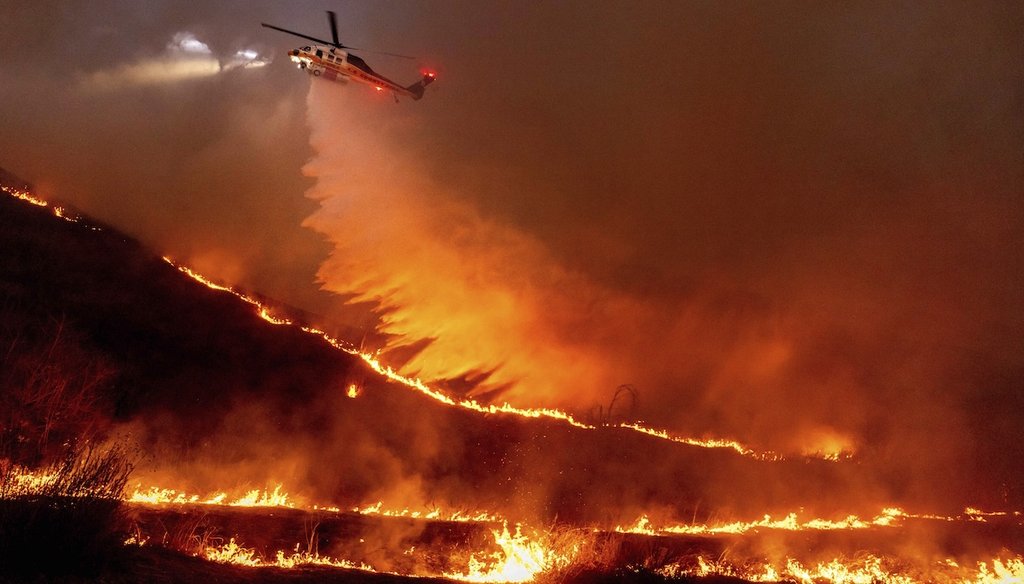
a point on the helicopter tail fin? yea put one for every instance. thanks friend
(417, 88)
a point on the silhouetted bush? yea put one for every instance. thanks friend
(52, 389)
(65, 518)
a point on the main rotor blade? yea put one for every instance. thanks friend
(334, 27)
(299, 34)
(380, 53)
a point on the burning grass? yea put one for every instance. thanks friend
(73, 506)
(70, 502)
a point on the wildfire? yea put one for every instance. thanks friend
(869, 569)
(352, 391)
(234, 553)
(517, 559)
(251, 498)
(24, 196)
(266, 314)
(469, 404)
(520, 559)
(706, 443)
(277, 497)
(889, 517)
(433, 514)
(59, 212)
(18, 480)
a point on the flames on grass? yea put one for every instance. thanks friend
(868, 569)
(277, 497)
(267, 314)
(520, 553)
(517, 558)
(373, 360)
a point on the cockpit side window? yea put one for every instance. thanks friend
(319, 53)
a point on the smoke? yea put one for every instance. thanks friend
(803, 243)
(797, 225)
(492, 301)
(185, 57)
(496, 307)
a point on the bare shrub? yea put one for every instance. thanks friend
(51, 387)
(622, 407)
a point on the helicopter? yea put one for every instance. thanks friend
(330, 60)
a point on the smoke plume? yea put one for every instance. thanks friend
(816, 260)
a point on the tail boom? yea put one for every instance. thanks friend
(416, 89)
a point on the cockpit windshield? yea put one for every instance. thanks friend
(306, 49)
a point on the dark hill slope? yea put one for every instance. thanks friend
(217, 397)
(176, 346)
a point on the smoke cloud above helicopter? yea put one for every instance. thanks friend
(794, 225)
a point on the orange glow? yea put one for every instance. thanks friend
(869, 569)
(234, 553)
(24, 196)
(352, 391)
(433, 514)
(59, 212)
(889, 517)
(466, 403)
(520, 559)
(251, 498)
(277, 497)
(525, 554)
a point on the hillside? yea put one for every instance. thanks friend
(103, 339)
(211, 390)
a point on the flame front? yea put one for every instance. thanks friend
(267, 314)
(889, 517)
(251, 498)
(518, 557)
(869, 569)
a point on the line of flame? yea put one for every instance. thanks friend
(432, 515)
(889, 517)
(519, 558)
(414, 383)
(468, 404)
(56, 211)
(522, 559)
(869, 569)
(277, 497)
(234, 553)
(251, 498)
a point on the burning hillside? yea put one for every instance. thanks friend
(265, 441)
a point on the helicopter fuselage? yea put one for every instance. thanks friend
(330, 60)
(338, 65)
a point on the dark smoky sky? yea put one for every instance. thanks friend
(819, 206)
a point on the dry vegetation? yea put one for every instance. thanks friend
(58, 491)
(69, 519)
